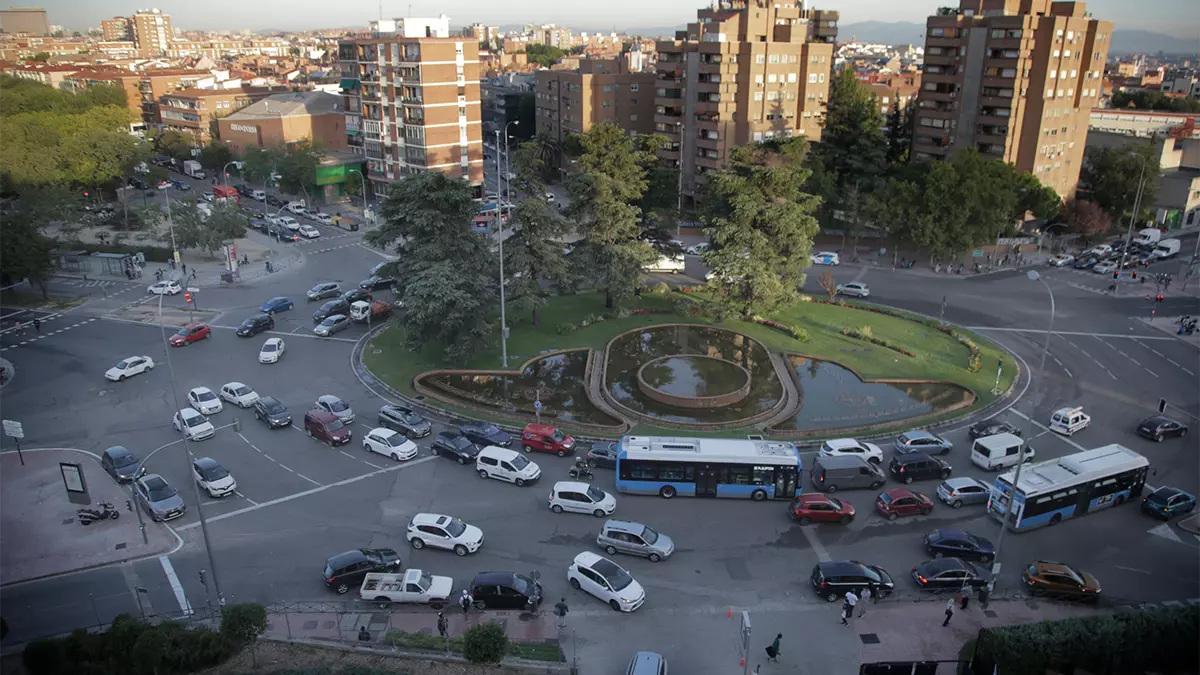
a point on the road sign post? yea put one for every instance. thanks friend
(745, 629)
(15, 431)
(999, 369)
(537, 410)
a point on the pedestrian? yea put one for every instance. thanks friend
(363, 634)
(937, 268)
(193, 274)
(949, 611)
(1167, 283)
(984, 592)
(560, 611)
(964, 598)
(185, 268)
(862, 605)
(442, 624)
(465, 601)
(848, 607)
(37, 325)
(773, 649)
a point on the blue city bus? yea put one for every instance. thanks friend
(1055, 490)
(708, 467)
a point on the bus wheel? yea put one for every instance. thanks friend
(666, 492)
(758, 495)
(1056, 519)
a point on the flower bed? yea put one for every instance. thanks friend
(792, 331)
(974, 359)
(591, 319)
(864, 334)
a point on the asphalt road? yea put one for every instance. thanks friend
(300, 501)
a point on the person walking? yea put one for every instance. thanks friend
(949, 611)
(37, 325)
(184, 267)
(465, 601)
(560, 611)
(964, 598)
(443, 624)
(848, 607)
(773, 649)
(862, 604)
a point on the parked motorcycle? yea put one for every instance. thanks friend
(89, 516)
(1187, 325)
(581, 470)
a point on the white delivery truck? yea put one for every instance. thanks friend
(1148, 236)
(192, 168)
(666, 263)
(1166, 248)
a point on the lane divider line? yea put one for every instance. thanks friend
(177, 587)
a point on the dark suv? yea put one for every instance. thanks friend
(918, 466)
(453, 445)
(347, 570)
(832, 579)
(255, 325)
(271, 411)
(505, 590)
(405, 420)
(485, 433)
(330, 308)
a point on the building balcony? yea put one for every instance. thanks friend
(708, 162)
(668, 155)
(999, 82)
(1004, 43)
(994, 149)
(991, 138)
(942, 41)
(370, 95)
(921, 145)
(996, 102)
(940, 59)
(369, 76)
(412, 100)
(708, 106)
(407, 77)
(1000, 62)
(994, 119)
(943, 96)
(708, 143)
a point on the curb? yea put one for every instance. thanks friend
(421, 655)
(7, 372)
(1190, 524)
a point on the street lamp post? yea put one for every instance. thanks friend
(507, 160)
(1137, 199)
(225, 174)
(500, 233)
(1033, 276)
(364, 188)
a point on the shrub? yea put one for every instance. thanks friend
(159, 254)
(130, 647)
(794, 331)
(866, 332)
(485, 643)
(858, 334)
(682, 306)
(661, 288)
(620, 313)
(564, 328)
(244, 622)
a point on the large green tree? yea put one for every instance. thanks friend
(298, 166)
(448, 288)
(214, 157)
(25, 254)
(173, 144)
(899, 133)
(533, 253)
(259, 164)
(761, 225)
(1111, 177)
(853, 148)
(194, 228)
(612, 180)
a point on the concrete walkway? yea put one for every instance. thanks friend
(1170, 326)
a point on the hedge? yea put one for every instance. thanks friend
(1161, 640)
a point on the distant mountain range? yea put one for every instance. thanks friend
(906, 33)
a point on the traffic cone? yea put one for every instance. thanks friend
(730, 613)
(742, 663)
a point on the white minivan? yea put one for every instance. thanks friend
(1067, 421)
(506, 465)
(999, 451)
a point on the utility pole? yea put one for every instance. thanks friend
(500, 233)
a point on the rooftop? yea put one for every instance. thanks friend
(290, 104)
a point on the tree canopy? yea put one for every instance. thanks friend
(1154, 100)
(853, 151)
(543, 55)
(1111, 177)
(533, 253)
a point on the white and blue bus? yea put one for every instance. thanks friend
(1052, 491)
(707, 467)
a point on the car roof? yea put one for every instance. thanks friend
(808, 497)
(189, 412)
(624, 526)
(195, 325)
(234, 385)
(839, 443)
(572, 485)
(918, 433)
(384, 432)
(206, 463)
(834, 567)
(540, 428)
(587, 559)
(489, 578)
(1168, 492)
(963, 481)
(947, 533)
(1052, 566)
(328, 398)
(122, 451)
(397, 408)
(898, 493)
(911, 458)
(200, 390)
(267, 400)
(430, 519)
(273, 340)
(939, 565)
(148, 478)
(1156, 419)
(322, 416)
(645, 663)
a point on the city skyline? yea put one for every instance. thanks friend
(1164, 16)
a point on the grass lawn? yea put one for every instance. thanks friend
(938, 356)
(34, 300)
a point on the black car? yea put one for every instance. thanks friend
(991, 428)
(272, 200)
(355, 295)
(453, 445)
(255, 325)
(832, 579)
(345, 571)
(271, 411)
(243, 189)
(1086, 263)
(376, 283)
(120, 463)
(958, 544)
(139, 183)
(505, 590)
(330, 308)
(405, 420)
(485, 433)
(602, 455)
(1158, 427)
(918, 466)
(949, 574)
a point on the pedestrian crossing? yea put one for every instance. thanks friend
(29, 335)
(92, 283)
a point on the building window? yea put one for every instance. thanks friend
(607, 88)
(760, 58)
(772, 78)
(812, 78)
(774, 58)
(633, 87)
(758, 96)
(633, 118)
(792, 77)
(821, 77)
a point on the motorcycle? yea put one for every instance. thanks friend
(89, 516)
(1187, 325)
(581, 470)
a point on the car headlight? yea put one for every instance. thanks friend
(625, 601)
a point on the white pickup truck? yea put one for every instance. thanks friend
(413, 586)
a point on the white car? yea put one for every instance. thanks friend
(606, 580)
(579, 497)
(323, 218)
(1061, 259)
(438, 531)
(825, 258)
(204, 400)
(239, 394)
(1105, 267)
(193, 425)
(389, 444)
(309, 232)
(171, 287)
(289, 222)
(698, 249)
(134, 365)
(843, 447)
(271, 350)
(1098, 250)
(208, 196)
(212, 477)
(856, 288)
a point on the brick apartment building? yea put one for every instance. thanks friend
(149, 30)
(287, 118)
(194, 112)
(746, 71)
(1015, 79)
(412, 102)
(600, 90)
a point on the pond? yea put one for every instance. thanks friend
(727, 352)
(833, 397)
(557, 381)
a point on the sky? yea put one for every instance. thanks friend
(1179, 18)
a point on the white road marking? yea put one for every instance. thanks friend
(244, 496)
(370, 464)
(1067, 332)
(1133, 569)
(1164, 530)
(1060, 365)
(811, 537)
(348, 454)
(286, 467)
(1107, 371)
(177, 587)
(305, 477)
(313, 491)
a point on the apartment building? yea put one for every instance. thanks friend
(413, 103)
(601, 90)
(746, 71)
(24, 20)
(151, 31)
(1014, 79)
(194, 112)
(117, 29)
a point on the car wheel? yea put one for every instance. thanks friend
(875, 460)
(556, 508)
(592, 464)
(939, 554)
(417, 544)
(395, 457)
(611, 550)
(891, 516)
(908, 480)
(806, 521)
(308, 431)
(121, 378)
(599, 513)
(342, 588)
(876, 485)
(257, 416)
(654, 557)
(945, 474)
(615, 605)
(926, 512)
(1158, 439)
(666, 491)
(833, 488)
(208, 335)
(527, 448)
(483, 474)
(758, 495)
(461, 550)
(985, 559)
(831, 596)
(520, 482)
(480, 604)
(957, 504)
(433, 449)
(462, 461)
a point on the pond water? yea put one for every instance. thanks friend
(702, 377)
(557, 381)
(834, 397)
(693, 376)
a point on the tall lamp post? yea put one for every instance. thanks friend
(363, 186)
(224, 173)
(1137, 200)
(1008, 514)
(500, 233)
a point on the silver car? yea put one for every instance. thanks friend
(622, 536)
(959, 491)
(922, 441)
(332, 404)
(160, 499)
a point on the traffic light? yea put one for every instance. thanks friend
(1116, 275)
(1158, 298)
(1135, 275)
(1162, 405)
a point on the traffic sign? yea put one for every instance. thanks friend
(192, 289)
(177, 258)
(977, 253)
(13, 429)
(187, 298)
(537, 404)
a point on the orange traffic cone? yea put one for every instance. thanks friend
(742, 663)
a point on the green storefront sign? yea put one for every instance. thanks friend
(328, 175)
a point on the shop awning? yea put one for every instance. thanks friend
(349, 83)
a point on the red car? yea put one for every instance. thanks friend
(191, 333)
(902, 502)
(819, 508)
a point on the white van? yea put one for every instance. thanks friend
(666, 263)
(999, 451)
(296, 206)
(507, 465)
(258, 195)
(1166, 248)
(1148, 236)
(289, 222)
(1067, 421)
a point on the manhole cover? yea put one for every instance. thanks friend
(120, 546)
(869, 638)
(309, 625)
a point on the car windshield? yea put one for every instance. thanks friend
(596, 494)
(248, 322)
(335, 425)
(213, 473)
(242, 391)
(522, 585)
(456, 527)
(269, 347)
(871, 574)
(319, 289)
(160, 490)
(124, 460)
(124, 364)
(338, 405)
(205, 396)
(617, 577)
(195, 420)
(461, 442)
(519, 462)
(397, 440)
(558, 436)
(411, 418)
(837, 503)
(184, 331)
(271, 405)
(885, 498)
(330, 321)
(649, 535)
(1158, 497)
(488, 430)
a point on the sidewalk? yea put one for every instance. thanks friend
(208, 270)
(1170, 326)
(42, 537)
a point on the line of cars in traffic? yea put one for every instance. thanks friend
(1107, 258)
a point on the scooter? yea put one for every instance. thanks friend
(581, 470)
(1187, 325)
(89, 516)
